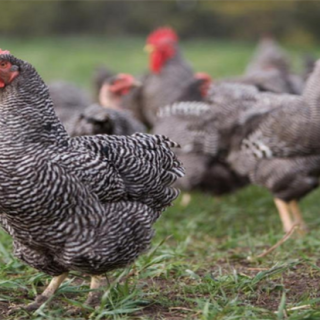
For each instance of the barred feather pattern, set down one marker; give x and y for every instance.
(85, 204)
(181, 122)
(287, 131)
(99, 120)
(224, 92)
(279, 148)
(183, 108)
(195, 126)
(144, 162)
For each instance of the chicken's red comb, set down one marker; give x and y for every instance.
(4, 51)
(162, 33)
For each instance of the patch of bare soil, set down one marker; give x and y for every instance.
(299, 282)
(3, 309)
(158, 312)
(5, 305)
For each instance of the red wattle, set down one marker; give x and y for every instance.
(124, 91)
(158, 58)
(2, 84)
(156, 61)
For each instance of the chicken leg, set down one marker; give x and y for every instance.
(47, 294)
(186, 198)
(284, 212)
(94, 296)
(297, 217)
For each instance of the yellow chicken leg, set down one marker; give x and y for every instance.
(47, 293)
(186, 198)
(284, 212)
(95, 296)
(297, 216)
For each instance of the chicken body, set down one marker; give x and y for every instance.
(84, 203)
(279, 149)
(109, 116)
(205, 170)
(201, 129)
(98, 120)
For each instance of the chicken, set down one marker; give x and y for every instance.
(169, 75)
(232, 112)
(98, 120)
(279, 149)
(205, 169)
(86, 203)
(68, 100)
(109, 117)
(269, 70)
(268, 54)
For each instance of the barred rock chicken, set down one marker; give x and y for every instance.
(205, 169)
(109, 117)
(86, 203)
(269, 70)
(280, 150)
(268, 54)
(68, 100)
(230, 112)
(168, 78)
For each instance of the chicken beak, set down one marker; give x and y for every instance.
(6, 77)
(149, 48)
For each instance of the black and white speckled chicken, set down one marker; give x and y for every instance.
(85, 203)
(109, 117)
(269, 70)
(279, 149)
(231, 112)
(169, 76)
(200, 140)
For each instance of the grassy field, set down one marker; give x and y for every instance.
(203, 263)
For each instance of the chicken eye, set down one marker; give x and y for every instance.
(3, 64)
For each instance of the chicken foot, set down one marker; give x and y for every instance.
(290, 215)
(46, 294)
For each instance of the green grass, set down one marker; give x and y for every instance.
(203, 261)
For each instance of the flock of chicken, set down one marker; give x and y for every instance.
(84, 195)
(232, 132)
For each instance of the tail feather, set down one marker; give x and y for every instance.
(146, 164)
